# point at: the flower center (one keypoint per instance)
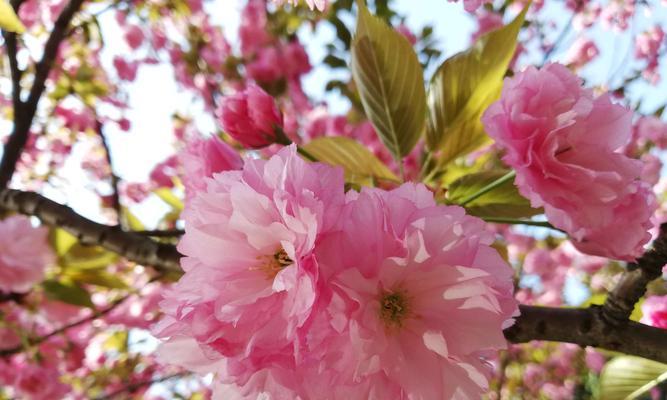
(394, 308)
(271, 264)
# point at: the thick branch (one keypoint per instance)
(134, 247)
(23, 119)
(587, 327)
(632, 285)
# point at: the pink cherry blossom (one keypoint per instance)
(204, 157)
(425, 295)
(319, 4)
(127, 70)
(654, 310)
(24, 254)
(472, 5)
(582, 52)
(134, 36)
(563, 143)
(251, 278)
(405, 31)
(251, 117)
(252, 31)
(653, 129)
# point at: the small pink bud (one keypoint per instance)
(252, 117)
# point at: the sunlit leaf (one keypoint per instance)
(67, 292)
(390, 81)
(360, 165)
(170, 198)
(61, 241)
(97, 277)
(463, 87)
(132, 221)
(116, 341)
(8, 19)
(81, 257)
(629, 377)
(503, 201)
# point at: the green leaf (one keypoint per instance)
(132, 221)
(503, 201)
(8, 19)
(360, 165)
(628, 377)
(67, 292)
(390, 82)
(116, 341)
(166, 195)
(80, 257)
(463, 87)
(97, 278)
(61, 241)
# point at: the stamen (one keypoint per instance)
(271, 264)
(394, 308)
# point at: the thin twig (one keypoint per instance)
(41, 339)
(23, 120)
(133, 387)
(115, 194)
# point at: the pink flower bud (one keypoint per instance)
(252, 117)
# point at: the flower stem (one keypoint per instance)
(498, 182)
(305, 154)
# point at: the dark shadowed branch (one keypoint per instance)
(25, 113)
(632, 285)
(134, 247)
(587, 327)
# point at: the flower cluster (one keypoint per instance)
(24, 254)
(564, 144)
(294, 289)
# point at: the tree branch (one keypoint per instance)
(133, 387)
(632, 285)
(16, 73)
(23, 119)
(134, 247)
(115, 194)
(41, 339)
(587, 327)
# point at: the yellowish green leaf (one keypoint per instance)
(96, 277)
(630, 377)
(67, 292)
(9, 21)
(503, 201)
(390, 82)
(116, 341)
(360, 165)
(80, 257)
(61, 241)
(166, 195)
(132, 221)
(463, 87)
